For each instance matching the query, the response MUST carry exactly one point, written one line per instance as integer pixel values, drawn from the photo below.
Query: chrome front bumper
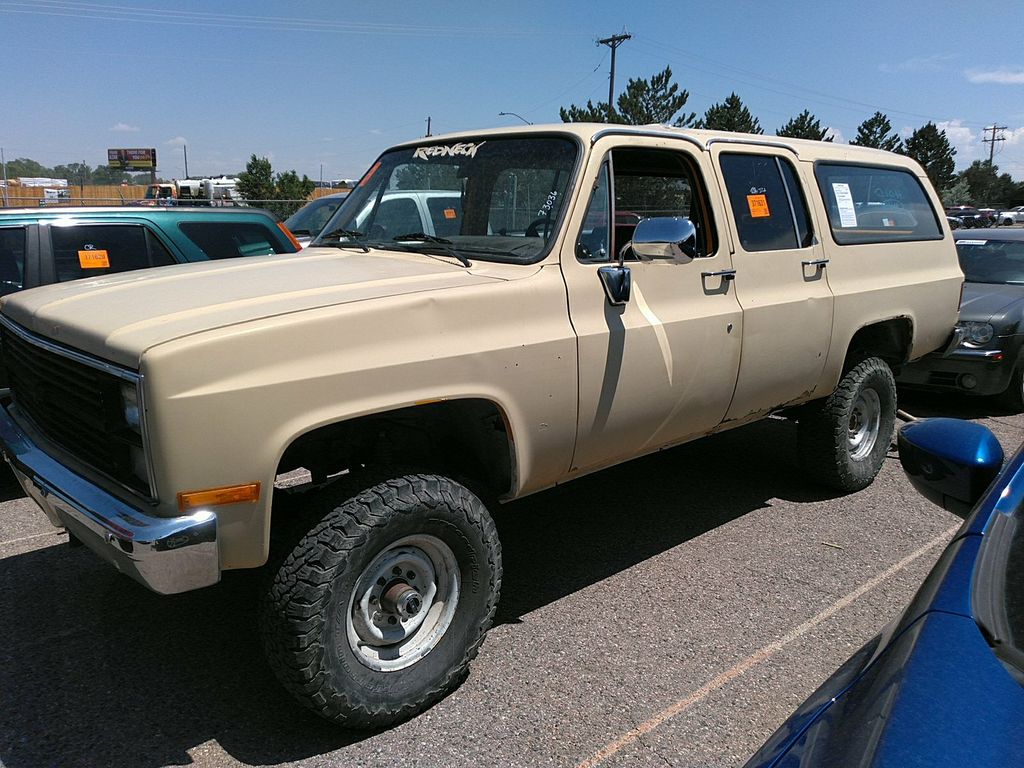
(167, 554)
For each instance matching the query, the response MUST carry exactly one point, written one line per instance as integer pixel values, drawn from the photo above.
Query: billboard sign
(132, 159)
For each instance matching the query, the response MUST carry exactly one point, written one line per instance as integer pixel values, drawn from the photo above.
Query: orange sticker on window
(93, 259)
(758, 205)
(449, 213)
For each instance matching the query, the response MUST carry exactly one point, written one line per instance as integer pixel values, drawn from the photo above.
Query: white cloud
(963, 139)
(1002, 76)
(124, 128)
(177, 141)
(837, 135)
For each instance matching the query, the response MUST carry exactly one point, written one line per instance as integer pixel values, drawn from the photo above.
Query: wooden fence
(18, 196)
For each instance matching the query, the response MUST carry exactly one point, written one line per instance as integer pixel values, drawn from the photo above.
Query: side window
(445, 214)
(766, 201)
(592, 243)
(12, 260)
(397, 216)
(868, 204)
(651, 183)
(232, 239)
(91, 250)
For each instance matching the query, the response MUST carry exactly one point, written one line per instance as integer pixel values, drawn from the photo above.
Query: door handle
(725, 274)
(815, 263)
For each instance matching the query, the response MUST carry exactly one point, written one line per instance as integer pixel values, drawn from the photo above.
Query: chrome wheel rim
(865, 422)
(403, 603)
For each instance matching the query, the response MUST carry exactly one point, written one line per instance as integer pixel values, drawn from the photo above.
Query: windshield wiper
(337, 234)
(423, 237)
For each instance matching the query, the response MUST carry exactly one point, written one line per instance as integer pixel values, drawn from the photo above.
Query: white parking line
(753, 660)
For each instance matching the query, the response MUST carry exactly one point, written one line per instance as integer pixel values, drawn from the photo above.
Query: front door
(661, 367)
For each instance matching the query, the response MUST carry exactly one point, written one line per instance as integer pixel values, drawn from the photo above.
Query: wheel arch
(891, 340)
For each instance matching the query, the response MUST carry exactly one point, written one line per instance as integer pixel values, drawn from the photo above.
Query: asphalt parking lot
(671, 611)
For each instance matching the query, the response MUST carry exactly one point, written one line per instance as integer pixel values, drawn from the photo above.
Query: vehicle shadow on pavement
(565, 539)
(922, 404)
(96, 670)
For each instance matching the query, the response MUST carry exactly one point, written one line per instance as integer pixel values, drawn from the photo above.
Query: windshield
(497, 199)
(991, 261)
(311, 217)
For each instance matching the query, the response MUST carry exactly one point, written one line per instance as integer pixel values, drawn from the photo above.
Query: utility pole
(428, 125)
(184, 149)
(613, 42)
(992, 142)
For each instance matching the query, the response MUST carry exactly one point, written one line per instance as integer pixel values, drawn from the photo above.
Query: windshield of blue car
(992, 261)
(497, 199)
(998, 590)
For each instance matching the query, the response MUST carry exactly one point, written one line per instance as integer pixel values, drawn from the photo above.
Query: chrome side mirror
(665, 237)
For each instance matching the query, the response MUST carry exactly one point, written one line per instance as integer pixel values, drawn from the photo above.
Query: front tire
(377, 612)
(1012, 398)
(845, 437)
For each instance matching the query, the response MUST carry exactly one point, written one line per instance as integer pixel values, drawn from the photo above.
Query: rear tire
(845, 437)
(377, 612)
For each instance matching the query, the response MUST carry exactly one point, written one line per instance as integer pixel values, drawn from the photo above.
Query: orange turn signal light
(229, 494)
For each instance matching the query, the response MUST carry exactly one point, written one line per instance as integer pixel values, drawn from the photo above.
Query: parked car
(1012, 216)
(955, 222)
(989, 358)
(971, 217)
(450, 342)
(54, 245)
(307, 222)
(943, 685)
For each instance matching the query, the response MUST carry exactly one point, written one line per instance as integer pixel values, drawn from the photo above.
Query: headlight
(130, 406)
(977, 333)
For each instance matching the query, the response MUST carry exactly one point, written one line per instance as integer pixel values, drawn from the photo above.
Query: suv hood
(118, 317)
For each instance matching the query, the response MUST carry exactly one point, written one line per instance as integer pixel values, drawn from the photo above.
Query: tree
(877, 132)
(958, 194)
(730, 115)
(804, 126)
(930, 147)
(23, 167)
(282, 195)
(657, 100)
(987, 186)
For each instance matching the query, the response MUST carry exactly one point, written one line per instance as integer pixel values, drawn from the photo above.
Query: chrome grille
(74, 403)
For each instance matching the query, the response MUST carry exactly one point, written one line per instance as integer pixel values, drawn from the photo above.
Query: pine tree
(730, 115)
(804, 126)
(877, 132)
(930, 147)
(657, 100)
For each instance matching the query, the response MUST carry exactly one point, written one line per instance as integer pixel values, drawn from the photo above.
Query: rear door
(781, 278)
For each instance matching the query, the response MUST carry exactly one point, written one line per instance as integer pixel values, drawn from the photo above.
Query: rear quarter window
(92, 250)
(870, 204)
(233, 239)
(12, 259)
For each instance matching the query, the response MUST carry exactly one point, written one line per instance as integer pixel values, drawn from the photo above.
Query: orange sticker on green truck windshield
(758, 205)
(93, 259)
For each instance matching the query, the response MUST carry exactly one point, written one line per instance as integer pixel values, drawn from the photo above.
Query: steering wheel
(533, 231)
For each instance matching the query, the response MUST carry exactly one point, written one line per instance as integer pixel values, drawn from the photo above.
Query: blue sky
(329, 85)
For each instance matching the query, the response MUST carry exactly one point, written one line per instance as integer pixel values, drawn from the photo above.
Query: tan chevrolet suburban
(587, 294)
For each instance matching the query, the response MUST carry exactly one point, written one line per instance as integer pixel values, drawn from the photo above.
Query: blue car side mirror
(949, 461)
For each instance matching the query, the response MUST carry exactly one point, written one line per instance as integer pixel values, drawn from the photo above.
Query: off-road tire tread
(292, 609)
(824, 434)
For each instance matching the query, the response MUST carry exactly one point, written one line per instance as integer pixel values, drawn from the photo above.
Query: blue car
(944, 684)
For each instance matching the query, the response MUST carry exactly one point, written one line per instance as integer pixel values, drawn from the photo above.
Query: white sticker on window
(465, 149)
(844, 199)
(972, 242)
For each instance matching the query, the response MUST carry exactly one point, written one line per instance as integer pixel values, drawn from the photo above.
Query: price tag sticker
(93, 259)
(449, 213)
(758, 205)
